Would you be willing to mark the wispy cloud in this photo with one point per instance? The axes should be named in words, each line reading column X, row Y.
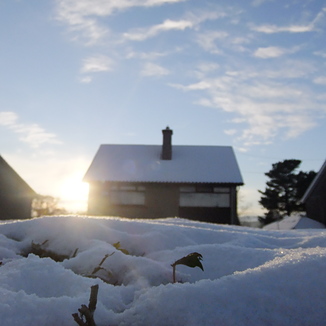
column 320, row 53
column 146, row 55
column 82, row 16
column 309, row 27
column 263, row 107
column 32, row 134
column 321, row 80
column 257, row 3
column 272, row 52
column 271, row 29
column 8, row 118
column 97, row 63
column 168, row 25
column 208, row 40
column 151, row 69
column 191, row 21
column 86, row 80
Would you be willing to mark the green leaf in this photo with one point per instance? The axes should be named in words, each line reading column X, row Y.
column 192, row 260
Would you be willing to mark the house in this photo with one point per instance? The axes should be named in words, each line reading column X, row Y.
column 315, row 197
column 154, row 181
column 16, row 196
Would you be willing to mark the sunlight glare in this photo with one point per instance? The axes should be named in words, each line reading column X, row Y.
column 74, row 193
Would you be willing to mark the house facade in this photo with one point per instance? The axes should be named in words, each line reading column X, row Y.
column 16, row 196
column 153, row 181
column 315, row 197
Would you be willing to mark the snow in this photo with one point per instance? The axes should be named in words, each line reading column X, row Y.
column 251, row 276
column 294, row 222
column 142, row 163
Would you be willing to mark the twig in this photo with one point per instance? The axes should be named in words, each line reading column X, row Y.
column 87, row 312
column 93, row 299
column 173, row 267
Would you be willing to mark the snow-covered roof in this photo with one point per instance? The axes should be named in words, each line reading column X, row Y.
column 294, row 222
column 143, row 163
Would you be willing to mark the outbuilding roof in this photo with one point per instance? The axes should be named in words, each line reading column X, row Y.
column 143, row 163
column 315, row 182
column 12, row 182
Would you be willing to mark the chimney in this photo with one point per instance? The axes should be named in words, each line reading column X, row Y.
column 167, row 144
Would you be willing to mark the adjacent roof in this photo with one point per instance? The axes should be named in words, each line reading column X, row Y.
column 318, row 178
column 10, row 178
column 142, row 163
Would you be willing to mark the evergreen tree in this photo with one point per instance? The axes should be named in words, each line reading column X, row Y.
column 284, row 189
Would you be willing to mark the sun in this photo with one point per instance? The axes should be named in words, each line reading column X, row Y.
column 74, row 193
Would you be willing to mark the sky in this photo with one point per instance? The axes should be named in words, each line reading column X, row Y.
column 75, row 74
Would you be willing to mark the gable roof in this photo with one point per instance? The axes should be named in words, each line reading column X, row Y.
column 10, row 178
column 142, row 163
column 315, row 182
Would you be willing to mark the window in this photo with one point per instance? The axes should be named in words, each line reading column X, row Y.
column 204, row 196
column 127, row 197
column 126, row 194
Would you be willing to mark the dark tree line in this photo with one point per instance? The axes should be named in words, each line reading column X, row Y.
column 284, row 190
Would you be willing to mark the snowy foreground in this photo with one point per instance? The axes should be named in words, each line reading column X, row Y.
column 251, row 276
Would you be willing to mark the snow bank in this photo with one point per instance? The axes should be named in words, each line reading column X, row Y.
column 251, row 276
column 294, row 222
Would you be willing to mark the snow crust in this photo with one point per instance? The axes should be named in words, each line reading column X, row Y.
column 250, row 277
column 295, row 222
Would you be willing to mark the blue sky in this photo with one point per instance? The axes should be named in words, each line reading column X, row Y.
column 75, row 74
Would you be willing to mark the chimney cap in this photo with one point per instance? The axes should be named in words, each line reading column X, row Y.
column 167, row 129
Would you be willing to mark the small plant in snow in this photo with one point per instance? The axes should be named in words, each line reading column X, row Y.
column 42, row 251
column 118, row 247
column 85, row 315
column 191, row 260
column 101, row 272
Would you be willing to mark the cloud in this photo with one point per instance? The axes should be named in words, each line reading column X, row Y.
column 256, row 3
column 151, row 69
column 206, row 68
column 310, row 27
column 82, row 16
column 263, row 107
column 230, row 132
column 272, row 29
column 274, row 52
column 269, row 52
column 97, row 63
column 207, row 40
column 320, row 53
column 146, row 55
column 192, row 20
column 86, row 80
column 32, row 134
column 8, row 118
column 168, row 25
column 321, row 80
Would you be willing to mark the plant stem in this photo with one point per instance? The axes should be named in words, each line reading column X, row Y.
column 173, row 267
